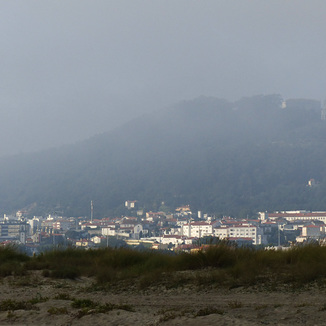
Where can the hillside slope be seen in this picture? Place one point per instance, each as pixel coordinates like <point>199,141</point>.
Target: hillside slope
<point>220,157</point>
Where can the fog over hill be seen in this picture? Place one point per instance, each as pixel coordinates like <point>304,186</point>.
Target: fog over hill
<point>73,69</point>
<point>218,156</point>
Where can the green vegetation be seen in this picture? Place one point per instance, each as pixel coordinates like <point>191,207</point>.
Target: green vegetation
<point>38,299</point>
<point>83,303</point>
<point>63,296</point>
<point>219,265</point>
<point>87,307</point>
<point>11,305</point>
<point>11,261</point>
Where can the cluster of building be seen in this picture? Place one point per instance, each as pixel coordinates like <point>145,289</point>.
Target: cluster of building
<point>299,226</point>
<point>181,230</point>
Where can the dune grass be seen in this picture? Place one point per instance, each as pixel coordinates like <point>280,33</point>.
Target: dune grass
<point>222,265</point>
<point>12,261</point>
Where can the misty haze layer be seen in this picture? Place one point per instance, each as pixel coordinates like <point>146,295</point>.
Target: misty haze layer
<point>70,70</point>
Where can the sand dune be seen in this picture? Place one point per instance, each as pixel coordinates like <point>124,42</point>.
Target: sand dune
<point>50,302</point>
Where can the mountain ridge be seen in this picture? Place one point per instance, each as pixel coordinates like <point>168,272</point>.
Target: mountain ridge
<point>218,156</point>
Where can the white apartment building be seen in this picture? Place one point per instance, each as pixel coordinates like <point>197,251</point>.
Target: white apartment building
<point>294,216</point>
<point>198,229</point>
<point>247,231</point>
<point>109,231</point>
<point>221,232</point>
<point>241,231</point>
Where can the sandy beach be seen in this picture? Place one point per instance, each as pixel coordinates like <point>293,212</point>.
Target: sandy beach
<point>51,302</point>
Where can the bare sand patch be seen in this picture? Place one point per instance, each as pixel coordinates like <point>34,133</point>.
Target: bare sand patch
<point>51,303</point>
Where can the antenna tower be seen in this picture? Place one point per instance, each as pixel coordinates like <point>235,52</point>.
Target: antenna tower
<point>91,211</point>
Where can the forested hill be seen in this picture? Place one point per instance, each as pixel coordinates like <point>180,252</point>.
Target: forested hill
<point>219,157</point>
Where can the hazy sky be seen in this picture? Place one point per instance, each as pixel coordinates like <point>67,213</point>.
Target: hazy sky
<point>71,69</point>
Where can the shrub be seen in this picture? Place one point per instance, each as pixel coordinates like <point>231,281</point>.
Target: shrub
<point>83,303</point>
<point>11,253</point>
<point>63,296</point>
<point>226,265</point>
<point>46,273</point>
<point>38,299</point>
<point>9,304</point>
<point>65,272</point>
<point>57,311</point>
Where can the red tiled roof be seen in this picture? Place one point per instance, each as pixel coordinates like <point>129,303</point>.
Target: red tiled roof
<point>314,214</point>
<point>172,236</point>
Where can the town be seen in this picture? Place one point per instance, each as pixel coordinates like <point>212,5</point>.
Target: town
<point>181,230</point>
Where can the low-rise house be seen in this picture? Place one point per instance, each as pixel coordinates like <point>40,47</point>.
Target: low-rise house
<point>183,210</point>
<point>172,239</point>
<point>130,204</point>
<point>98,239</point>
<point>127,229</point>
<point>311,232</point>
<point>160,246</point>
<point>128,223</point>
<point>90,225</point>
<point>84,243</point>
<point>154,216</point>
<point>176,230</point>
<point>110,229</point>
